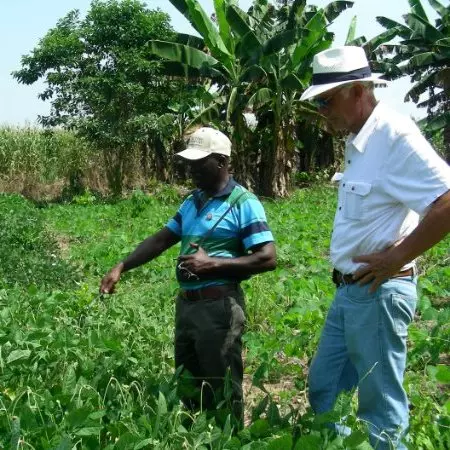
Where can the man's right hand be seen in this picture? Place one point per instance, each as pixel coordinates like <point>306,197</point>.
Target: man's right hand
<point>109,281</point>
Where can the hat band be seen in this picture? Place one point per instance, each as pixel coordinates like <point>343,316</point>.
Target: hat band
<point>336,77</point>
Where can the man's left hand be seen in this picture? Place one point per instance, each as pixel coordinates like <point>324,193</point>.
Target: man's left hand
<point>378,267</point>
<point>197,263</point>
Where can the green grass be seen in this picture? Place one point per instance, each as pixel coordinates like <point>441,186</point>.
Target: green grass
<point>34,155</point>
<point>82,371</point>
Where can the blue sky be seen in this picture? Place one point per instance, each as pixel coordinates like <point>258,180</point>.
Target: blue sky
<point>24,22</point>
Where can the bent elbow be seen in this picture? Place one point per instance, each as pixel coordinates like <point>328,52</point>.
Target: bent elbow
<point>271,262</point>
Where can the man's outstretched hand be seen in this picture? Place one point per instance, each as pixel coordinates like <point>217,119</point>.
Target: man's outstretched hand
<point>110,280</point>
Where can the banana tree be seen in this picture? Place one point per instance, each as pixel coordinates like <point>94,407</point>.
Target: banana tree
<point>256,61</point>
<point>212,57</point>
<point>289,47</point>
<point>423,53</point>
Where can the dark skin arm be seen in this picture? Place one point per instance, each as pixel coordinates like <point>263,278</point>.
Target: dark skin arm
<point>147,250</point>
<point>262,259</point>
<point>431,230</point>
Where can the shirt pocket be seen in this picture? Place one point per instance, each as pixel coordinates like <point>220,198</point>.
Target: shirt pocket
<point>355,199</point>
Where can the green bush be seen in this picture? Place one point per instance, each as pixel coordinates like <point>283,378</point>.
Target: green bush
<point>30,156</point>
<point>28,254</point>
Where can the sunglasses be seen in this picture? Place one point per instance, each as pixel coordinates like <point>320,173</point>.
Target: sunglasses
<point>321,103</point>
<point>324,102</point>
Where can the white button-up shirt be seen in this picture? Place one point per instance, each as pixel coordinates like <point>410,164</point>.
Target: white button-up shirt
<point>392,175</point>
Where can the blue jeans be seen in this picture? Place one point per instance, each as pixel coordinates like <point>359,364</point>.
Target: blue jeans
<point>363,344</point>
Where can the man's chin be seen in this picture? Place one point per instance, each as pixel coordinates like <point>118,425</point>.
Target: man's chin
<point>198,183</point>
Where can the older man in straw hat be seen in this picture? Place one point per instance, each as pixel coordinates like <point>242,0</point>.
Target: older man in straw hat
<point>224,239</point>
<point>392,177</point>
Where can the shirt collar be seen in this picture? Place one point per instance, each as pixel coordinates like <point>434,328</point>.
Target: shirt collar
<point>359,141</point>
<point>227,189</point>
<point>199,194</point>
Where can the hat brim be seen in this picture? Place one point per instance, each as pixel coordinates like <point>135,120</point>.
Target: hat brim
<point>193,154</point>
<point>317,89</point>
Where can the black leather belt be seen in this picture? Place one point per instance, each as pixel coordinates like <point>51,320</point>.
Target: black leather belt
<point>209,292</point>
<point>341,278</point>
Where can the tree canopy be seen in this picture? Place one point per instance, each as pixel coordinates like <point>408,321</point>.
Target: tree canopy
<point>102,79</point>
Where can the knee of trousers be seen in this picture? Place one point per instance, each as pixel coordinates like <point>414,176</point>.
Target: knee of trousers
<point>316,384</point>
<point>316,380</point>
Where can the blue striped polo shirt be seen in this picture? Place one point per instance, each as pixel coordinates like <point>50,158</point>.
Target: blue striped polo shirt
<point>243,227</point>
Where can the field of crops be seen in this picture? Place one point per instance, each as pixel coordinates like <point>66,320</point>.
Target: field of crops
<point>80,371</point>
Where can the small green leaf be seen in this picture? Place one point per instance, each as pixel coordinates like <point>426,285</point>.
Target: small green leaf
<point>309,442</point>
<point>32,289</point>
<point>447,407</point>
<point>443,374</point>
<point>96,415</point>
<point>260,428</point>
<point>282,443</point>
<point>78,417</point>
<point>18,354</point>
<point>233,444</point>
<point>89,431</point>
<point>260,408</point>
<point>146,443</point>
<point>162,404</point>
<point>273,415</point>
<point>69,381</point>
<point>356,438</point>
<point>65,443</point>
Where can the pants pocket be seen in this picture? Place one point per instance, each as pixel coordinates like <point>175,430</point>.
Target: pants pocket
<point>403,309</point>
<point>236,324</point>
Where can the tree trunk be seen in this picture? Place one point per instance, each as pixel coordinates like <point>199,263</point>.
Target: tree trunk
<point>318,150</point>
<point>161,169</point>
<point>114,166</point>
<point>145,157</point>
<point>276,162</point>
<point>243,156</point>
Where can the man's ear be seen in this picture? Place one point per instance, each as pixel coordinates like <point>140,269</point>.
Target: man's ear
<point>222,160</point>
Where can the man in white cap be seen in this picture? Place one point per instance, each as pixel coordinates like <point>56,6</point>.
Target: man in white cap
<point>392,177</point>
<point>224,239</point>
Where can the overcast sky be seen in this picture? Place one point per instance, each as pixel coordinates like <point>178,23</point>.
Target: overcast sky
<point>24,22</point>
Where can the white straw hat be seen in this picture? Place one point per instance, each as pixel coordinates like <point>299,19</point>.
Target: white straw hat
<point>336,66</point>
<point>205,141</point>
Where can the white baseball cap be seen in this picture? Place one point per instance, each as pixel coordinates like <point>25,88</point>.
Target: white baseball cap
<point>204,142</point>
<point>337,66</point>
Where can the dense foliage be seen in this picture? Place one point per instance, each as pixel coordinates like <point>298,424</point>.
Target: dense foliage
<point>91,372</point>
<point>419,49</point>
<point>105,78</point>
<point>260,61</point>
<point>103,81</point>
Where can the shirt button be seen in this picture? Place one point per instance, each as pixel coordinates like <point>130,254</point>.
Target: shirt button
<point>343,185</point>
<point>348,161</point>
<point>353,188</point>
<point>340,207</point>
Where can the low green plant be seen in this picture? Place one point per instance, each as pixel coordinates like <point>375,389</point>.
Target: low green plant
<point>29,254</point>
<point>87,371</point>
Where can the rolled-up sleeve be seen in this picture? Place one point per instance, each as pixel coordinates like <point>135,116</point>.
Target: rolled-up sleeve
<point>254,228</point>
